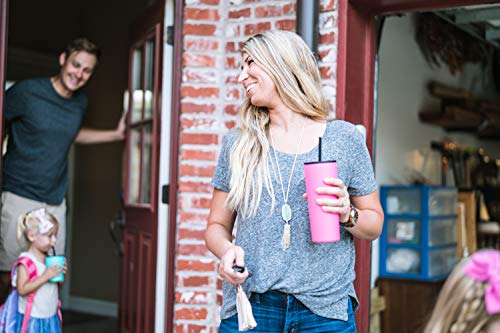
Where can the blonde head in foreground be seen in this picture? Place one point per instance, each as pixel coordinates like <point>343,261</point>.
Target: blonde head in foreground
<point>469,301</point>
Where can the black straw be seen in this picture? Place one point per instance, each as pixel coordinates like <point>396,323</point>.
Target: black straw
<point>319,150</point>
<point>54,250</point>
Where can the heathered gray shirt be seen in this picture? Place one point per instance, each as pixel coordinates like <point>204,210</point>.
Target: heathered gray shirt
<point>319,275</point>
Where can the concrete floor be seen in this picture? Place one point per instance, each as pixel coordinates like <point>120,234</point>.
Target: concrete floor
<point>75,322</point>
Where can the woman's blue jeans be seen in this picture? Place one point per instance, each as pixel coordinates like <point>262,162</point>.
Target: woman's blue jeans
<point>283,313</point>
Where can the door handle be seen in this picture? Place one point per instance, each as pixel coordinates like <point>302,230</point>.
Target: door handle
<point>117,221</point>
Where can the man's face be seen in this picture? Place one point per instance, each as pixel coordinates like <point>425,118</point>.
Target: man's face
<point>76,69</point>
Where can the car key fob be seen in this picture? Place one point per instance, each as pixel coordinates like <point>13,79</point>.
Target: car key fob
<point>239,269</point>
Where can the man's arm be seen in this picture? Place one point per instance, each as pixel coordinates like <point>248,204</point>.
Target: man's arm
<point>90,136</point>
<point>5,129</point>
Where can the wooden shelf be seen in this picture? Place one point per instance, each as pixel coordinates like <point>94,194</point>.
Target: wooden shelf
<point>461,111</point>
<point>453,118</point>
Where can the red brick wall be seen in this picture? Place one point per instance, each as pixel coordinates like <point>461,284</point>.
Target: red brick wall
<point>327,48</point>
<point>213,30</point>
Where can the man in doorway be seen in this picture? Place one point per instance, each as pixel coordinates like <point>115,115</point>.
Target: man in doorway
<point>44,118</point>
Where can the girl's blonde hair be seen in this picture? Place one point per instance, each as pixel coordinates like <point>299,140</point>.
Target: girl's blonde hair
<point>32,221</point>
<point>460,307</point>
<point>285,57</point>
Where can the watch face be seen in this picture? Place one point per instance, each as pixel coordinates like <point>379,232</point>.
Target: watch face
<point>353,218</point>
<point>354,213</point>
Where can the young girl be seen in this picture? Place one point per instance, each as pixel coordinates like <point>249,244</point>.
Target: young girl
<point>469,301</point>
<point>39,228</point>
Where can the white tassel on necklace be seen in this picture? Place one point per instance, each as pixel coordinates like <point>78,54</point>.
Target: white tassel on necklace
<point>286,210</point>
<point>246,321</point>
<point>285,240</point>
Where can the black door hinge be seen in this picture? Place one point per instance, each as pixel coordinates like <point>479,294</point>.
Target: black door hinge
<point>170,35</point>
<point>164,193</point>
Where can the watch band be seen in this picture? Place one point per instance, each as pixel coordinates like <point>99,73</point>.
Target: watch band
<point>353,218</point>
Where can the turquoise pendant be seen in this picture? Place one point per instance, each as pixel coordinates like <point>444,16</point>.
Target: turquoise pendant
<point>286,212</point>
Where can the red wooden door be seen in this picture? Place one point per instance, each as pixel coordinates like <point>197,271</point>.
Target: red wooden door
<point>138,269</point>
<point>355,92</point>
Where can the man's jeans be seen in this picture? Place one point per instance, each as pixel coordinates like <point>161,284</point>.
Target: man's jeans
<point>278,312</point>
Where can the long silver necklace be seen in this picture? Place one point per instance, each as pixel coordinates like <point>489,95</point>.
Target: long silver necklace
<point>286,210</point>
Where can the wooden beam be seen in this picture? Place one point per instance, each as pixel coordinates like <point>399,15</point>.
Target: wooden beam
<point>477,15</point>
<point>492,34</point>
<point>386,7</point>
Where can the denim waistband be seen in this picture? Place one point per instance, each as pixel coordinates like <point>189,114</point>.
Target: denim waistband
<point>273,297</point>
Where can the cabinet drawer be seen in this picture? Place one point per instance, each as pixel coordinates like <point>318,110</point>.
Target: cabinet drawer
<point>403,201</point>
<point>442,231</point>
<point>403,231</point>
<point>442,202</point>
<point>442,261</point>
<point>403,261</point>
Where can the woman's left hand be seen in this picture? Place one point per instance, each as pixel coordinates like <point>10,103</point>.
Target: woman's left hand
<point>341,204</point>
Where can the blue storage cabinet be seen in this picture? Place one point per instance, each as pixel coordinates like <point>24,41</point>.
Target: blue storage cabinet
<point>419,238</point>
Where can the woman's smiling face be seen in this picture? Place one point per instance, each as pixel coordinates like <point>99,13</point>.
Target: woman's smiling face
<point>258,85</point>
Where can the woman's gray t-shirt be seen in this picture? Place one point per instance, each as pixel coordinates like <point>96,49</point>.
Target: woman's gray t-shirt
<point>319,275</point>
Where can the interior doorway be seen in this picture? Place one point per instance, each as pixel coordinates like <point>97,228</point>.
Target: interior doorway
<point>356,60</point>
<point>37,33</point>
<point>361,29</point>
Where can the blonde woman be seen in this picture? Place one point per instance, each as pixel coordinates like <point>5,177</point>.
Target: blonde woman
<point>298,285</point>
<point>469,301</point>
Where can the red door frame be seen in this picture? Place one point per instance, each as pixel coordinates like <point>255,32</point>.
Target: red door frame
<point>355,92</point>
<point>355,76</point>
<point>174,162</point>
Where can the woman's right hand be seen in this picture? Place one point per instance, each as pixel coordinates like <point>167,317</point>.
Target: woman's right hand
<point>234,255</point>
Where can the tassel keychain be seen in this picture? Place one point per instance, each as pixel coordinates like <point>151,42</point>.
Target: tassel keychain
<point>246,320</point>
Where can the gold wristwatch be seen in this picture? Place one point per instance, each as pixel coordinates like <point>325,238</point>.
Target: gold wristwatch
<point>353,218</point>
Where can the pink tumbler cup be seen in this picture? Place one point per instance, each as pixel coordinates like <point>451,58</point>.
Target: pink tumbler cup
<point>324,225</point>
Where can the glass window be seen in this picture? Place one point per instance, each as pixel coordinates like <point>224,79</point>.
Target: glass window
<point>137,93</point>
<point>141,125</point>
<point>134,165</point>
<point>149,73</point>
<point>147,152</point>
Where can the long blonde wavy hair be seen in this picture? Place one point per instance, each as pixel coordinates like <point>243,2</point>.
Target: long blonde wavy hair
<point>460,307</point>
<point>286,58</point>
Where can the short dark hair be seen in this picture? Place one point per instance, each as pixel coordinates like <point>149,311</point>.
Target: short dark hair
<point>82,44</point>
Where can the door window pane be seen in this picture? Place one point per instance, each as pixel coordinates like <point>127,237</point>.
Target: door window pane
<point>142,123</point>
<point>147,152</point>
<point>134,165</point>
<point>149,73</point>
<point>137,92</point>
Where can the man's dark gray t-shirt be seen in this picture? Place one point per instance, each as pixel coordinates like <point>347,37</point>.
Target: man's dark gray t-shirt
<point>319,275</point>
<point>43,126</point>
